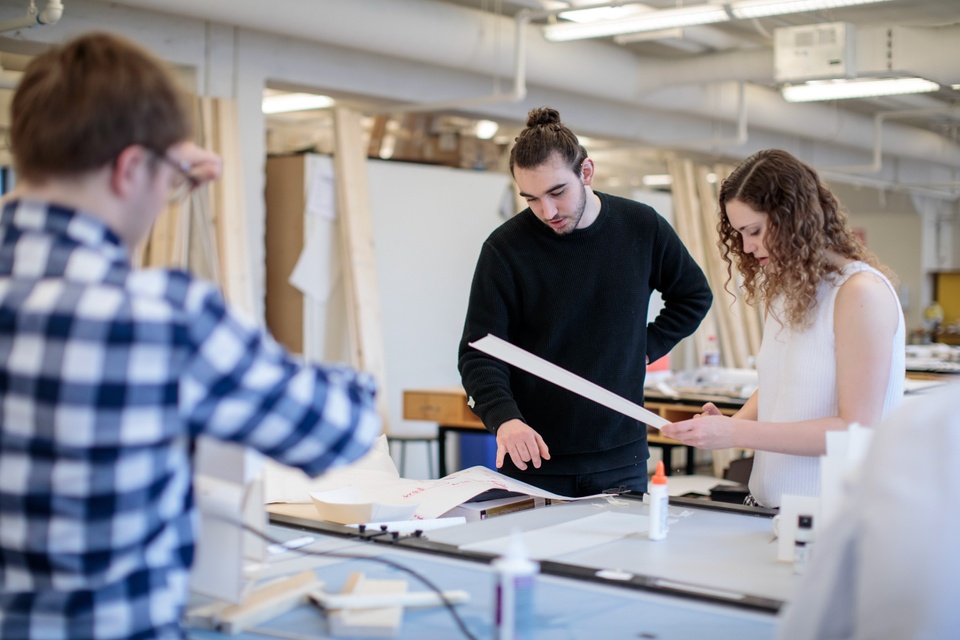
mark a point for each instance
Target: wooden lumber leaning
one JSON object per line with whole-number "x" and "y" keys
{"x": 357, "y": 251}
{"x": 220, "y": 132}
{"x": 749, "y": 317}
{"x": 182, "y": 237}
{"x": 685, "y": 207}
{"x": 378, "y": 132}
{"x": 201, "y": 251}
{"x": 158, "y": 248}
{"x": 735, "y": 349}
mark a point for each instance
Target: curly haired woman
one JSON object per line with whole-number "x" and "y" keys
{"x": 833, "y": 336}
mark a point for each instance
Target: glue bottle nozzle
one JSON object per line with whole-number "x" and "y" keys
{"x": 660, "y": 476}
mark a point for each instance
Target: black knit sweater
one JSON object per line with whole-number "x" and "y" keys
{"x": 580, "y": 301}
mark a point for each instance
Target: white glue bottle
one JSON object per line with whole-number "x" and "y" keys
{"x": 803, "y": 543}
{"x": 513, "y": 610}
{"x": 659, "y": 501}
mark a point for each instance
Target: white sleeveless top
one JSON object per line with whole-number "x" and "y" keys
{"x": 797, "y": 372}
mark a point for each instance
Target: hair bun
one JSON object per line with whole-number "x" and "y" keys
{"x": 543, "y": 116}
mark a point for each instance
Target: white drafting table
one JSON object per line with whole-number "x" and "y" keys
{"x": 732, "y": 556}
{"x": 565, "y": 609}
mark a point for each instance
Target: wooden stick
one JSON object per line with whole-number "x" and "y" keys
{"x": 268, "y": 602}
{"x": 381, "y": 622}
{"x": 374, "y": 601}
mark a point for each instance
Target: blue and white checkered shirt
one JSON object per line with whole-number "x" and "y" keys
{"x": 107, "y": 375}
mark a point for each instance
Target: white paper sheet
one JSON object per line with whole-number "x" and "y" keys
{"x": 503, "y": 350}
{"x": 351, "y": 505}
{"x": 433, "y": 498}
{"x": 321, "y": 188}
{"x": 568, "y": 537}
{"x": 318, "y": 266}
{"x": 286, "y": 484}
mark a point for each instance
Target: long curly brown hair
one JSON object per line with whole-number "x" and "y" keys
{"x": 804, "y": 222}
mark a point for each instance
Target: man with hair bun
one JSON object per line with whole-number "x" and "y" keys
{"x": 569, "y": 279}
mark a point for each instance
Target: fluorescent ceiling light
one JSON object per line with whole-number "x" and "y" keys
{"x": 285, "y": 102}
{"x": 701, "y": 14}
{"x": 858, "y": 88}
{"x": 648, "y": 21}
{"x": 747, "y": 9}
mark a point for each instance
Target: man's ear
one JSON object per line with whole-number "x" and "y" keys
{"x": 128, "y": 171}
{"x": 586, "y": 171}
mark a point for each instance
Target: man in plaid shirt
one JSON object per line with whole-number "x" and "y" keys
{"x": 107, "y": 374}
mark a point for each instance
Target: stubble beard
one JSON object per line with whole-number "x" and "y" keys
{"x": 581, "y": 207}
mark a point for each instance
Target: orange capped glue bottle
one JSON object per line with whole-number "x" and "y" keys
{"x": 659, "y": 501}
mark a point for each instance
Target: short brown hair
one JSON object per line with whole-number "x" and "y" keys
{"x": 80, "y": 104}
{"x": 544, "y": 136}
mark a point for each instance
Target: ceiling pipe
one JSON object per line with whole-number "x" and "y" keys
{"x": 749, "y": 65}
{"x": 738, "y": 66}
{"x": 51, "y": 14}
{"x": 949, "y": 191}
{"x": 446, "y": 35}
{"x": 877, "y": 165}
{"x": 821, "y": 122}
{"x": 518, "y": 93}
{"x": 738, "y": 140}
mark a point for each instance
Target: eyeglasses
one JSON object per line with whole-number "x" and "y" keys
{"x": 182, "y": 182}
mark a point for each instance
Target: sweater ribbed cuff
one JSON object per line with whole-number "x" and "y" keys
{"x": 497, "y": 415}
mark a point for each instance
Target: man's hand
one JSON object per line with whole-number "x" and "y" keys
{"x": 205, "y": 165}
{"x": 522, "y": 443}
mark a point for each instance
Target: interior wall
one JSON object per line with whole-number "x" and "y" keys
{"x": 428, "y": 225}
{"x": 893, "y": 230}
{"x": 896, "y": 240}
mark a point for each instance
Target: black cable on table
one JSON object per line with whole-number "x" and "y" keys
{"x": 390, "y": 563}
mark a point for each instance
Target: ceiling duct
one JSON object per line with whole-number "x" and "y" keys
{"x": 839, "y": 51}
{"x": 814, "y": 52}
